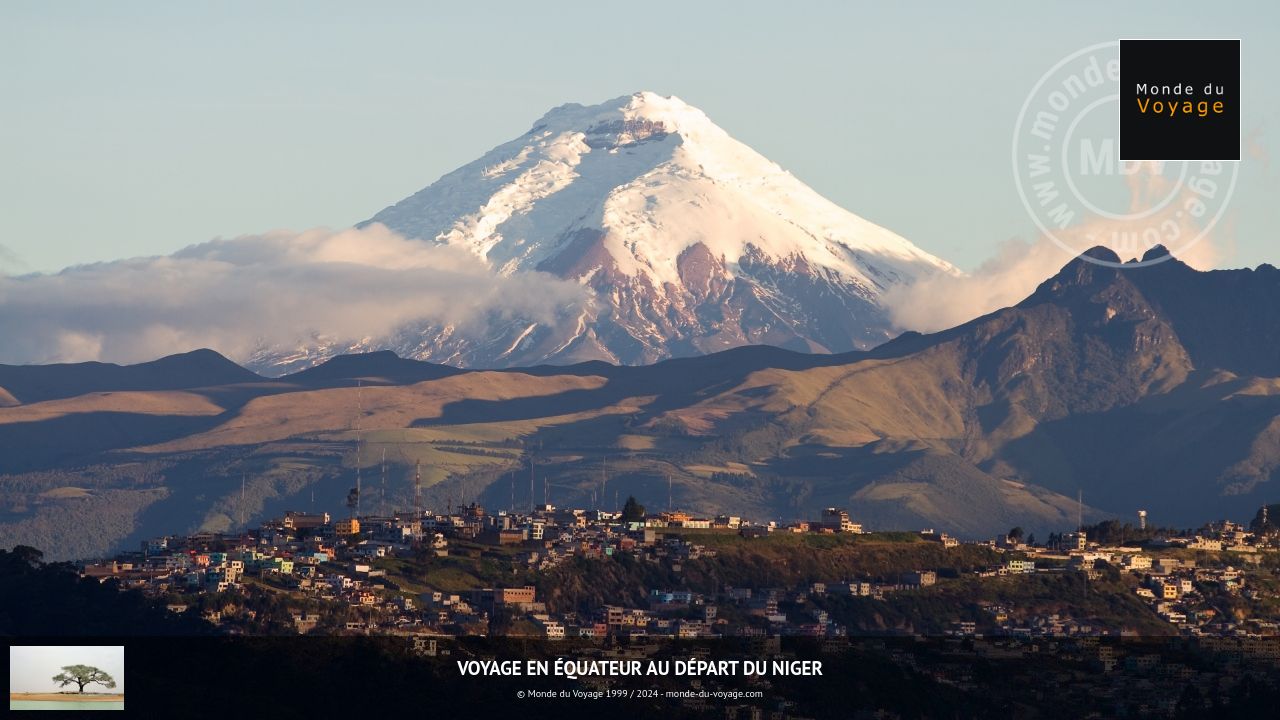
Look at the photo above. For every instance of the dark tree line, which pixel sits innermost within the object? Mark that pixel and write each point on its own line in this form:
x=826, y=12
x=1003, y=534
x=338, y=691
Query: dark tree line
x=42, y=599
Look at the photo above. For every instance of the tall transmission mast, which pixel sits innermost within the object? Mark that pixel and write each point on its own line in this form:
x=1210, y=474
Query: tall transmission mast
x=357, y=508
x=382, y=500
x=417, y=489
x=359, y=412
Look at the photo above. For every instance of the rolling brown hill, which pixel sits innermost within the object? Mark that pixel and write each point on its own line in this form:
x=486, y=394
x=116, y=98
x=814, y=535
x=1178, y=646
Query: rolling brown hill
x=1151, y=388
x=198, y=368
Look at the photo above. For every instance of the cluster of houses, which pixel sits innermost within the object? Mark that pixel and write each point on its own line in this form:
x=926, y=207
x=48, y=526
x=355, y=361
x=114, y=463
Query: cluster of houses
x=1179, y=592
x=340, y=561
x=1176, y=588
x=337, y=560
x=314, y=555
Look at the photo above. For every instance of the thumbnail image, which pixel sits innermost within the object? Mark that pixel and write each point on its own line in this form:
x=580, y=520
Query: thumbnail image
x=66, y=677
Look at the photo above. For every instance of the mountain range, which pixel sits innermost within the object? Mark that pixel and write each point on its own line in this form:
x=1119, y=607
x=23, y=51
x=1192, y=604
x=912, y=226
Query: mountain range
x=687, y=242
x=1153, y=388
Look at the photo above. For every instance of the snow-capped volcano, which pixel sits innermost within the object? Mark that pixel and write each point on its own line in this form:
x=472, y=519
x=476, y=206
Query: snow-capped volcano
x=687, y=240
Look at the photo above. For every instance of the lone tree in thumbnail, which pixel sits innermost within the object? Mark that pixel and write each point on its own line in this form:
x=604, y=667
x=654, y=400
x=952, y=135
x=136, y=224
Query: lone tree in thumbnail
x=83, y=675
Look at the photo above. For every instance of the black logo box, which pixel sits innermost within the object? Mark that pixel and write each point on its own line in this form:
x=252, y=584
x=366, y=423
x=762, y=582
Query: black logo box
x=1181, y=64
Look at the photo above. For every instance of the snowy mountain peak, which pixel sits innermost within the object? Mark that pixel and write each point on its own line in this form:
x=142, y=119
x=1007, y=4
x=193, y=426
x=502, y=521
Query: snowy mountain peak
x=631, y=118
x=652, y=176
x=687, y=241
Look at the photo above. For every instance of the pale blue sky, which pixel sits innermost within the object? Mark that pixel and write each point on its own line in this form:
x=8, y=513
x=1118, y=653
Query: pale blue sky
x=136, y=128
x=32, y=667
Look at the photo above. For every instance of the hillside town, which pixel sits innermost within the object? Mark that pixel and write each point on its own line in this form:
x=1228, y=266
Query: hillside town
x=353, y=575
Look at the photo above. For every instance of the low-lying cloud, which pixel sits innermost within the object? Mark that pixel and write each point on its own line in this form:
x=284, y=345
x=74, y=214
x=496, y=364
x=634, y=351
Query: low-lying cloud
x=943, y=301
x=280, y=289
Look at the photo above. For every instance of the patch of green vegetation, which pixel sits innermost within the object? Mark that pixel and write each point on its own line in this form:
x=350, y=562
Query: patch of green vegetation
x=1108, y=602
x=582, y=584
x=718, y=538
x=437, y=462
x=81, y=527
x=467, y=567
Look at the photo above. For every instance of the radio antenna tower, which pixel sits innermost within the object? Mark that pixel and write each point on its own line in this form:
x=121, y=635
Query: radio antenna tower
x=359, y=412
x=1079, y=510
x=382, y=500
x=242, y=498
x=417, y=489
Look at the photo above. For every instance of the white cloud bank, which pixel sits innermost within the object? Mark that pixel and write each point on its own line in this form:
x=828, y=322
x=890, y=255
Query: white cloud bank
x=940, y=302
x=944, y=301
x=278, y=289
